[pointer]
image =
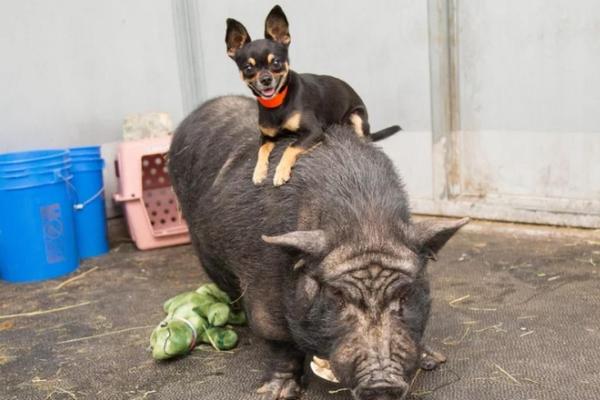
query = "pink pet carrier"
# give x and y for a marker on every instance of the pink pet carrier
(149, 202)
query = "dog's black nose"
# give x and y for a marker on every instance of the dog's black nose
(266, 80)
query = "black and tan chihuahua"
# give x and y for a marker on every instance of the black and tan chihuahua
(302, 103)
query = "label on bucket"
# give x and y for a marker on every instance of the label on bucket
(53, 231)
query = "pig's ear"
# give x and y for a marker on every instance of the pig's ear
(311, 242)
(432, 235)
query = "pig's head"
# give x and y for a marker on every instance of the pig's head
(364, 307)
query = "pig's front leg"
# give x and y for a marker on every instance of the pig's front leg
(431, 359)
(283, 378)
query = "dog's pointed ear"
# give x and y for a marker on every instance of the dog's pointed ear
(235, 37)
(277, 27)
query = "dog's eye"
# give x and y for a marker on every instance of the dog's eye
(248, 69)
(276, 63)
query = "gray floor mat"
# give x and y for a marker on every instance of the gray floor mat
(517, 316)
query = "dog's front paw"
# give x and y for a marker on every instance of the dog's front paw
(260, 173)
(281, 386)
(282, 175)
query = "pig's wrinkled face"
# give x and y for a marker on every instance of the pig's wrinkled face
(377, 353)
(367, 316)
(364, 306)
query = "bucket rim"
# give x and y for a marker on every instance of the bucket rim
(76, 148)
(34, 171)
(84, 150)
(58, 163)
(88, 158)
(33, 181)
(24, 157)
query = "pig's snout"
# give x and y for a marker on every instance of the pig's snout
(383, 392)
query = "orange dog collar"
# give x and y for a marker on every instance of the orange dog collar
(274, 102)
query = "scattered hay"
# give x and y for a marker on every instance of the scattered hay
(241, 295)
(453, 304)
(422, 393)
(414, 379)
(339, 391)
(104, 334)
(509, 376)
(497, 328)
(456, 301)
(63, 391)
(75, 278)
(144, 395)
(4, 359)
(6, 325)
(486, 378)
(41, 312)
(448, 342)
(590, 261)
(527, 317)
(210, 349)
(426, 392)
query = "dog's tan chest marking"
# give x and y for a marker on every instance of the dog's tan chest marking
(293, 122)
(268, 131)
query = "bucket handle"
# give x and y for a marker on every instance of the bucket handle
(80, 206)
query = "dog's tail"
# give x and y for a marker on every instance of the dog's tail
(384, 133)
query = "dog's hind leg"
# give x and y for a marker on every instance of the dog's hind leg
(358, 120)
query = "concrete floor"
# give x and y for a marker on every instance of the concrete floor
(516, 310)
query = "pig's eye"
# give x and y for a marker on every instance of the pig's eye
(337, 296)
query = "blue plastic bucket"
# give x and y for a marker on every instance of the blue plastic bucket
(40, 159)
(37, 231)
(89, 151)
(90, 214)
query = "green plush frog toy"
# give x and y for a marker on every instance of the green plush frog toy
(194, 317)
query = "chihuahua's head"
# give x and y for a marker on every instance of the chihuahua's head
(263, 63)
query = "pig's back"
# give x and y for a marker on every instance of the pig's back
(206, 139)
(211, 162)
(341, 184)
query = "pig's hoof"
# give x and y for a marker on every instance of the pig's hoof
(282, 175)
(431, 359)
(281, 386)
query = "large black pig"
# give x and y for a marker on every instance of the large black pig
(329, 264)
